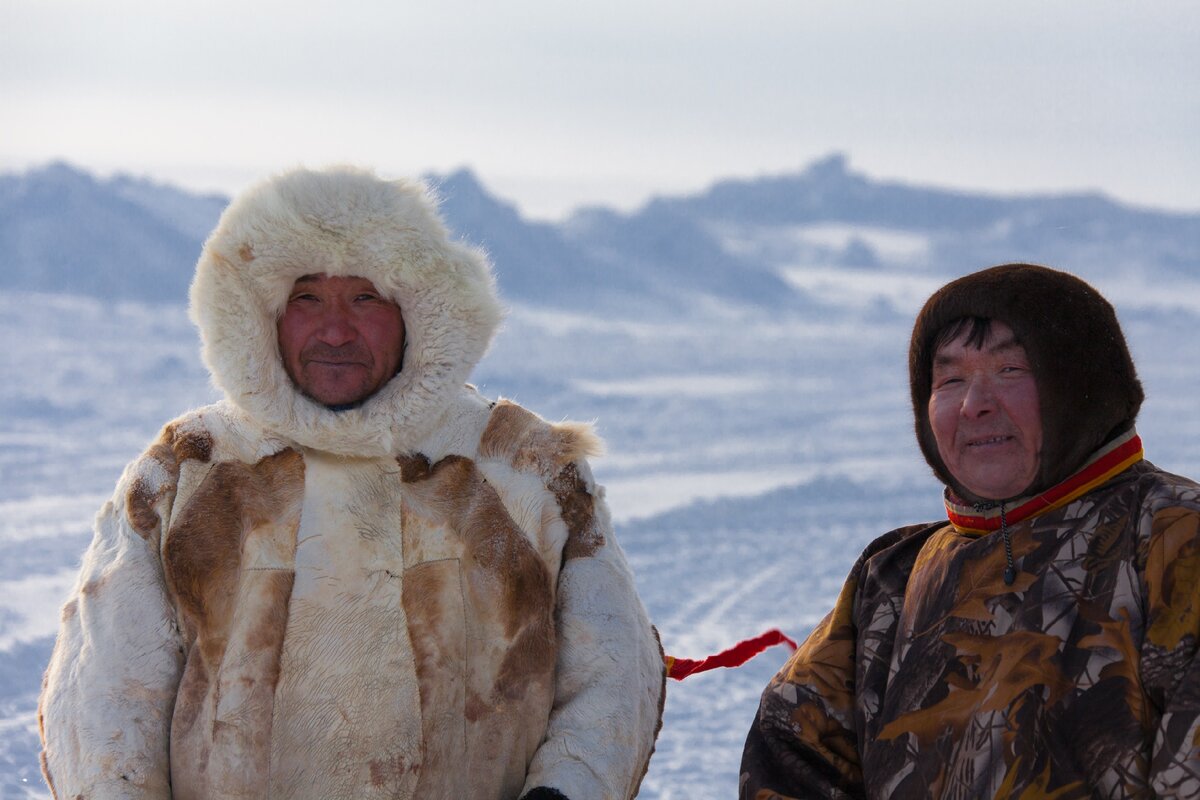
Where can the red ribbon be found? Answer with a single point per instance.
(740, 653)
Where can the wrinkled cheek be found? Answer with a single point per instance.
(941, 421)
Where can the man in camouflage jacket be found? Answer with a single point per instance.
(1042, 642)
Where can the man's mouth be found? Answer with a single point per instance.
(984, 441)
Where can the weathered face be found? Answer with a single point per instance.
(985, 415)
(340, 339)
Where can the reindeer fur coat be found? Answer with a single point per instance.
(417, 598)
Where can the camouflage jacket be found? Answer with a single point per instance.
(933, 678)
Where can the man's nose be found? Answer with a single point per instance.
(335, 328)
(980, 397)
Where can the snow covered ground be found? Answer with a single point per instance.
(751, 457)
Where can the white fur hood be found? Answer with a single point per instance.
(341, 221)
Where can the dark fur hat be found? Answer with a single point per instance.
(1088, 388)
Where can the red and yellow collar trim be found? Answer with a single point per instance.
(1114, 458)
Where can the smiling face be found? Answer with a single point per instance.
(340, 339)
(984, 413)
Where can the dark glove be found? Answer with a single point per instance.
(544, 793)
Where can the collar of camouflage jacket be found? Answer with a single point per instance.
(1112, 459)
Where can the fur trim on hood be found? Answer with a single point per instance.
(1087, 385)
(342, 222)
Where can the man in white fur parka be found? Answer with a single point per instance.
(354, 576)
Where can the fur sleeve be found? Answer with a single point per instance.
(105, 708)
(609, 676)
(610, 680)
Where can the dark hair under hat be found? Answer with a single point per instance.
(1088, 389)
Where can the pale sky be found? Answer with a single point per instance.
(561, 104)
